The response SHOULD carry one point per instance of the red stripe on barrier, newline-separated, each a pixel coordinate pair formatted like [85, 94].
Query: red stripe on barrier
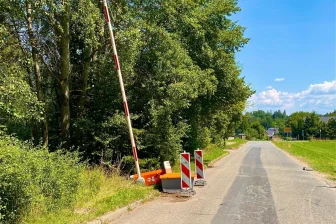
[199, 164]
[126, 108]
[186, 156]
[185, 171]
[106, 14]
[185, 185]
[135, 154]
[199, 152]
[116, 61]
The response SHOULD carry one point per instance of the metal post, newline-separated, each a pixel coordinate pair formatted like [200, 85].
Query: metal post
[320, 135]
[116, 60]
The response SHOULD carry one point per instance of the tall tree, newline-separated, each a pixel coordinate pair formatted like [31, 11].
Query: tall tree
[312, 125]
[64, 44]
[35, 56]
[331, 128]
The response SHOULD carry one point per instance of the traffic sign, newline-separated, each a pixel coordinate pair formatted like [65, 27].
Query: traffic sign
[288, 130]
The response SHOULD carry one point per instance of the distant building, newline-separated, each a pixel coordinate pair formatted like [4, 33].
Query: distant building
[325, 119]
[270, 133]
[242, 136]
[274, 130]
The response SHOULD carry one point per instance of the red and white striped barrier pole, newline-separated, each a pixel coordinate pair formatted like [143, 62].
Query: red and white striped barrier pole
[185, 171]
[199, 166]
[116, 60]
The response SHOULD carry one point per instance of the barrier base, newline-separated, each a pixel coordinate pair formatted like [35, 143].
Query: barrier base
[141, 181]
[187, 193]
[200, 182]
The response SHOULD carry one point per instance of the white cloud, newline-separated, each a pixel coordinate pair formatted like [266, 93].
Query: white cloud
[317, 97]
[326, 87]
[279, 79]
[269, 87]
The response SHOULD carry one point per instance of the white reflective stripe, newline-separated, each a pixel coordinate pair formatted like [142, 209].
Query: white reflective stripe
[186, 180]
[200, 172]
[184, 161]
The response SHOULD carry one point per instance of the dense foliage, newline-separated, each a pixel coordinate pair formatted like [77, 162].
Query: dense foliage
[59, 87]
[32, 180]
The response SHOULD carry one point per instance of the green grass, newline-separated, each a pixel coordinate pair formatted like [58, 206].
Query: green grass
[237, 143]
[97, 195]
[211, 154]
[320, 155]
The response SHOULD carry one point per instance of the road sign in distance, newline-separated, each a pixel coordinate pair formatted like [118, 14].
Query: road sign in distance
[287, 130]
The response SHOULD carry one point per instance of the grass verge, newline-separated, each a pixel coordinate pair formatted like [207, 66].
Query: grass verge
[212, 153]
[97, 195]
[320, 155]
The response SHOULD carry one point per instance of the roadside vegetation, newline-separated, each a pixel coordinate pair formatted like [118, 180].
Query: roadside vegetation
[41, 187]
[212, 153]
[304, 125]
[320, 155]
[98, 193]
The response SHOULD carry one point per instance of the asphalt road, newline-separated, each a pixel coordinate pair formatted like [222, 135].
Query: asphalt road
[255, 184]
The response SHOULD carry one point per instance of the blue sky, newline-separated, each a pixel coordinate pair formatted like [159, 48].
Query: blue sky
[290, 59]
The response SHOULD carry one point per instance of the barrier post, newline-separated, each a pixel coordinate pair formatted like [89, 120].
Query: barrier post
[199, 166]
[140, 179]
[186, 183]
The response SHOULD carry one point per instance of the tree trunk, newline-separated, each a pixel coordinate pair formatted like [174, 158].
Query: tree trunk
[40, 95]
[86, 68]
[65, 72]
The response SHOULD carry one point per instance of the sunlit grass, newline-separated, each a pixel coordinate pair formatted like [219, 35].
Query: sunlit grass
[320, 155]
[97, 195]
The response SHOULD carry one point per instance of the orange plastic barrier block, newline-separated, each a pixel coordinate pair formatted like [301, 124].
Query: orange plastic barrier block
[151, 177]
[173, 176]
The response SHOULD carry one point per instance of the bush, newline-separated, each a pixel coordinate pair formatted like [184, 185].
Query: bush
[34, 180]
[147, 164]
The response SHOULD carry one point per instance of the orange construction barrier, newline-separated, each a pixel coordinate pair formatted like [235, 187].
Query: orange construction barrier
[151, 177]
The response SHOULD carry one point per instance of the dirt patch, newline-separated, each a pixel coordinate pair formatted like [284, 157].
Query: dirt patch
[174, 197]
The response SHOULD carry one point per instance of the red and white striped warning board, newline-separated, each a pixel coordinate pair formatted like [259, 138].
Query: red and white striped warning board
[199, 164]
[185, 171]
